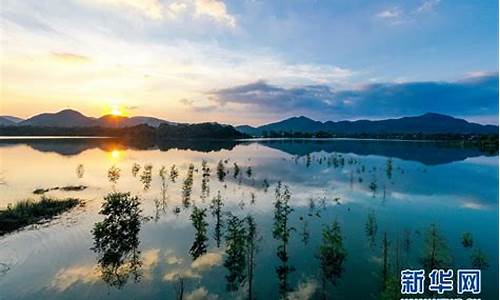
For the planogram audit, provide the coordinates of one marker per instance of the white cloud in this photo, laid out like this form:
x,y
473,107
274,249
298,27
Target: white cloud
x,y
207,261
214,9
427,5
390,13
200,294
305,290
152,9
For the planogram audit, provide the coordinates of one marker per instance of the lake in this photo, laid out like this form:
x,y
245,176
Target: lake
x,y
189,231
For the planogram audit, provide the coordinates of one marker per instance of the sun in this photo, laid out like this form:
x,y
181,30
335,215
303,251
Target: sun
x,y
116,111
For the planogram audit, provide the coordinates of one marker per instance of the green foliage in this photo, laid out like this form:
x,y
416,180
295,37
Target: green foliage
x,y
371,228
332,253
147,176
116,238
187,186
114,174
436,253
205,178
236,252
135,169
30,212
388,168
216,209
174,173
467,240
199,246
479,260
221,171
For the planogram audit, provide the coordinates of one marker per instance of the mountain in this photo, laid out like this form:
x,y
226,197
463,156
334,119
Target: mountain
x,y
64,118
12,118
72,118
6,122
429,123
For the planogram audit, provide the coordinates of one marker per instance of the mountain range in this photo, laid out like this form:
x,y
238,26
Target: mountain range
x,y
429,123
72,118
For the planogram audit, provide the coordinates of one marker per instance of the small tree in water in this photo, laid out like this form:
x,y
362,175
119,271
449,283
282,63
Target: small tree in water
x,y
332,255
199,246
216,208
187,187
467,240
147,176
371,228
282,232
236,253
114,174
135,169
236,171
479,259
221,171
436,255
174,173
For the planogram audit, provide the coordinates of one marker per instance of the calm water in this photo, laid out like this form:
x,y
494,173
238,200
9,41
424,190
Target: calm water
x,y
343,180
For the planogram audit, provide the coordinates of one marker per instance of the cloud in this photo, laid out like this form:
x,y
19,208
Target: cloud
x,y
157,10
427,5
471,96
200,293
70,57
216,10
152,9
304,291
207,261
67,277
390,13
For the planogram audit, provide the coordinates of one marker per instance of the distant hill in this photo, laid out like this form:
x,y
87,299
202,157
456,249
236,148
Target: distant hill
x,y
6,122
429,123
11,118
69,118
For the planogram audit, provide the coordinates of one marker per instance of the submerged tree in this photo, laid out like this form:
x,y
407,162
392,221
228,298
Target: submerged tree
x,y
199,246
371,228
332,255
467,240
135,169
80,171
236,171
221,171
187,187
282,232
252,248
164,184
479,260
174,173
116,239
388,168
436,254
114,174
216,209
249,171
147,176
236,252
205,178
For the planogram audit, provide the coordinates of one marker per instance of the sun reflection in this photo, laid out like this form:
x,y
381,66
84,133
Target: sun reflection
x,y
115,109
115,155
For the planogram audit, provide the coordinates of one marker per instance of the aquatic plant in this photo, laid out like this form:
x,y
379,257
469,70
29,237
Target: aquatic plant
x,y
479,260
135,169
249,171
385,264
371,228
114,174
187,187
282,232
467,240
235,260
436,254
252,241
147,176
163,181
31,212
80,171
116,239
305,235
236,171
174,173
199,246
332,255
388,168
265,184
216,210
205,178
221,171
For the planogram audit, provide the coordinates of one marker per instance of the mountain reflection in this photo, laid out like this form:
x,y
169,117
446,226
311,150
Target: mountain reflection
x,y
428,153
116,239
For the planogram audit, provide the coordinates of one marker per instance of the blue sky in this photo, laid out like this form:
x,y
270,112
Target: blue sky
x,y
182,60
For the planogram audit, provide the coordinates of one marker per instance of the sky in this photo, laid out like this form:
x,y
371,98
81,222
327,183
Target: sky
x,y
250,61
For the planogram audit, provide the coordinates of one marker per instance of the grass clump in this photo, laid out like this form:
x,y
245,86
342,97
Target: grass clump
x,y
30,212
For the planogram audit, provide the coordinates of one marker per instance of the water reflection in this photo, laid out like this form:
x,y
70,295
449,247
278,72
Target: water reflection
x,y
116,239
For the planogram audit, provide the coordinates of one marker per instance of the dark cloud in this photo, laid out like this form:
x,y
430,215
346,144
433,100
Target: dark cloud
x,y
474,96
